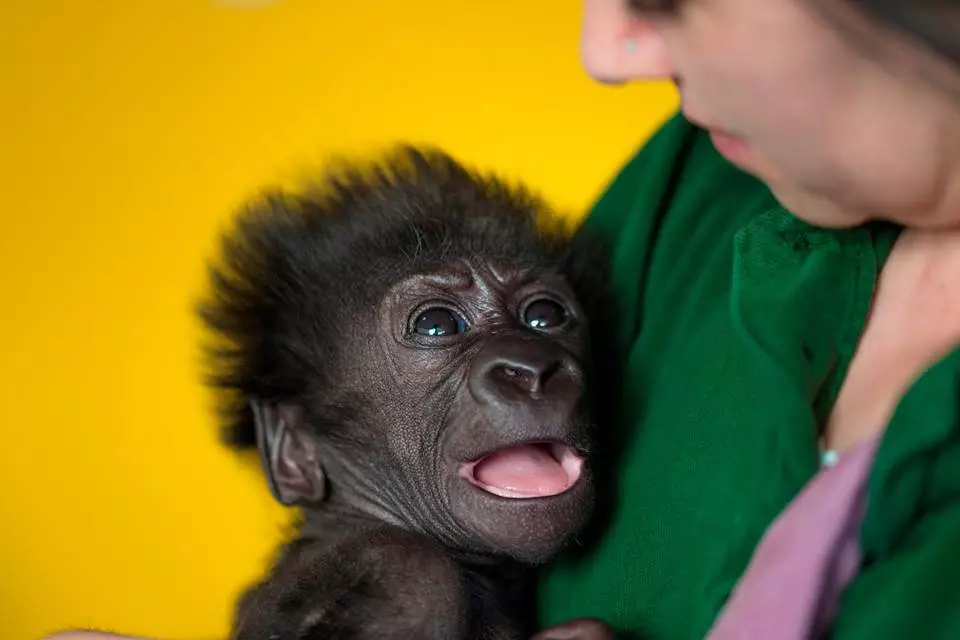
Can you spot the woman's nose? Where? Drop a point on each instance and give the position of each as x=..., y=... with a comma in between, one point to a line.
x=617, y=46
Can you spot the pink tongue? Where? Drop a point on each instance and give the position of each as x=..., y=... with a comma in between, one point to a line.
x=527, y=469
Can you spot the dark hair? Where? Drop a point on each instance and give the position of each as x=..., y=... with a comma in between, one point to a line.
x=654, y=6
x=928, y=31
x=930, y=26
x=933, y=24
x=298, y=266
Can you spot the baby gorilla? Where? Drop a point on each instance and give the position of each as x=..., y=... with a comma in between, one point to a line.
x=407, y=349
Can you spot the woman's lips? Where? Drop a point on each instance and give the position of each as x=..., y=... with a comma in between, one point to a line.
x=731, y=147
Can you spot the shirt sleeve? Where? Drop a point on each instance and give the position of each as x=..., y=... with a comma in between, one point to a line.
x=911, y=593
x=909, y=586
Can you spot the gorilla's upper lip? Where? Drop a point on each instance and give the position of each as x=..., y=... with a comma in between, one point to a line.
x=526, y=469
x=488, y=442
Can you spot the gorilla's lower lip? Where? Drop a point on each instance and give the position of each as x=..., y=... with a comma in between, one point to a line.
x=526, y=471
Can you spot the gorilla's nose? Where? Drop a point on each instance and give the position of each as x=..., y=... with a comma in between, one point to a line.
x=516, y=369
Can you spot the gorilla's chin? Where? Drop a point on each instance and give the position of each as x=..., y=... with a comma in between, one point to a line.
x=530, y=528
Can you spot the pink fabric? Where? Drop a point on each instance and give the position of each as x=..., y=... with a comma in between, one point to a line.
x=804, y=561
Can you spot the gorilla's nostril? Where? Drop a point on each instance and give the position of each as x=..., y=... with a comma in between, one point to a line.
x=514, y=376
x=512, y=370
x=528, y=379
x=550, y=370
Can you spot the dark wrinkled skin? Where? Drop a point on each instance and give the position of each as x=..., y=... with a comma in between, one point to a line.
x=364, y=421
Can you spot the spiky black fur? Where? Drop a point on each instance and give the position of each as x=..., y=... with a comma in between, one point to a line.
x=298, y=268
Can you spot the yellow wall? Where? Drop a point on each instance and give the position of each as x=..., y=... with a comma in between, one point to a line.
x=129, y=130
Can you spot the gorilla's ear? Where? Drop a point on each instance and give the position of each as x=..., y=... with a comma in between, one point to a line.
x=289, y=454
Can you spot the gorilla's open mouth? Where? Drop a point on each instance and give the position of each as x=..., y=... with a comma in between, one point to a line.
x=537, y=470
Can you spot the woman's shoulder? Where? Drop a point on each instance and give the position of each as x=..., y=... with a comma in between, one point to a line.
x=669, y=217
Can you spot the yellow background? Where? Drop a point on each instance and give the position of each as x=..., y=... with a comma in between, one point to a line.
x=131, y=129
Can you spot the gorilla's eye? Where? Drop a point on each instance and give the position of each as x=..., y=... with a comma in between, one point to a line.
x=438, y=322
x=544, y=314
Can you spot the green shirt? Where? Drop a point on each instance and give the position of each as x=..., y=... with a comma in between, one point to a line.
x=736, y=322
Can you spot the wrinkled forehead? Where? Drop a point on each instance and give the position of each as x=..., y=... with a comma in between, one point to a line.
x=465, y=275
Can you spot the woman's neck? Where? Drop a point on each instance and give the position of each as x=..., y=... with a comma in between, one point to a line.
x=914, y=323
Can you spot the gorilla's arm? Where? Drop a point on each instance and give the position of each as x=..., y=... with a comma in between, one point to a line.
x=383, y=583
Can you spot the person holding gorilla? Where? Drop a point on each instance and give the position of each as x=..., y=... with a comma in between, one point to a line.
x=783, y=460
